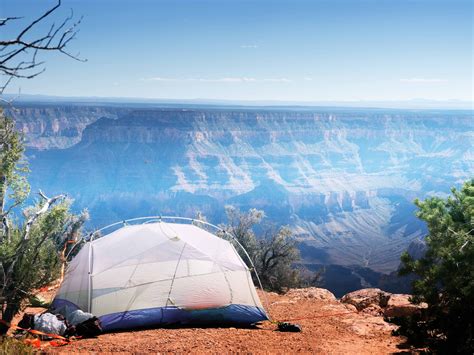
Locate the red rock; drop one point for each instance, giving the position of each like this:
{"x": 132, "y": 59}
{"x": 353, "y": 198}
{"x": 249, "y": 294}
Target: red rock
{"x": 374, "y": 310}
{"x": 363, "y": 298}
{"x": 311, "y": 292}
{"x": 399, "y": 305}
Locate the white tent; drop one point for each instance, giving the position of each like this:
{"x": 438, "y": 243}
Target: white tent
{"x": 160, "y": 274}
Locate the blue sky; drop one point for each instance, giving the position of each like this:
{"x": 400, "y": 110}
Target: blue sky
{"x": 261, "y": 50}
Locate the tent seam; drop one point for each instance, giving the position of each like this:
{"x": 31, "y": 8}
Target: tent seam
{"x": 174, "y": 276}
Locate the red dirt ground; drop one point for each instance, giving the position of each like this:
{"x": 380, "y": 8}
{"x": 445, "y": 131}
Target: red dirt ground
{"x": 329, "y": 327}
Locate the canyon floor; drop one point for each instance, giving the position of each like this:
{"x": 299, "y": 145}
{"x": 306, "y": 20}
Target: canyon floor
{"x": 329, "y": 327}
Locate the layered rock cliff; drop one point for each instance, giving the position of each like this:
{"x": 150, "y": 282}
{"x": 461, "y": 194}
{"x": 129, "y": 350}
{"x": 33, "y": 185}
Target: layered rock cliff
{"x": 344, "y": 180}
{"x": 57, "y": 126}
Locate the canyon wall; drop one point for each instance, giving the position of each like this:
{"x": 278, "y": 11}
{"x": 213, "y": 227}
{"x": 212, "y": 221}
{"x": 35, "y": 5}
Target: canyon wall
{"x": 343, "y": 179}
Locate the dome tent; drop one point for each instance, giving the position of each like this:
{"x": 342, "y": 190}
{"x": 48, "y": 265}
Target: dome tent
{"x": 160, "y": 273}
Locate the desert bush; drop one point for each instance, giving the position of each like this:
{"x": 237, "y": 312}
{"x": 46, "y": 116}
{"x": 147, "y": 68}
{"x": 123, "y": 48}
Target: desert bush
{"x": 26, "y": 265}
{"x": 31, "y": 246}
{"x": 274, "y": 252}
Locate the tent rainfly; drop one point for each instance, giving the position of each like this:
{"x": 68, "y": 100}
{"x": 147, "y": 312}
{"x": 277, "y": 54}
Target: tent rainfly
{"x": 159, "y": 274}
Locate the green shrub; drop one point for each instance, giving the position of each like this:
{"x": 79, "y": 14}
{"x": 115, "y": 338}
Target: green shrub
{"x": 445, "y": 275}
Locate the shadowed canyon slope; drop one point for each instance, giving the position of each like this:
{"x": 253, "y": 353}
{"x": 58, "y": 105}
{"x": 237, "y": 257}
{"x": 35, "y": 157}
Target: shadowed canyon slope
{"x": 343, "y": 179}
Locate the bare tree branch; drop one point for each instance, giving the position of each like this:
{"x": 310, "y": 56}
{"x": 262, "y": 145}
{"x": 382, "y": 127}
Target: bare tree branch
{"x": 18, "y": 57}
{"x": 42, "y": 210}
{"x": 4, "y": 21}
{"x": 6, "y": 227}
{"x": 39, "y": 19}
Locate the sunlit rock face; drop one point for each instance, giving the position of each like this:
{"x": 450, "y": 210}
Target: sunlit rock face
{"x": 343, "y": 179}
{"x": 49, "y": 127}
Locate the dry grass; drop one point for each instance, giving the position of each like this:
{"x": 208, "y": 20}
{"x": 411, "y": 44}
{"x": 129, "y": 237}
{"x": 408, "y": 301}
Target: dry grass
{"x": 10, "y": 346}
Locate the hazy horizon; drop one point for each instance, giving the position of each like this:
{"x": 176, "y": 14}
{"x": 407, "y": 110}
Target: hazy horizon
{"x": 416, "y": 104}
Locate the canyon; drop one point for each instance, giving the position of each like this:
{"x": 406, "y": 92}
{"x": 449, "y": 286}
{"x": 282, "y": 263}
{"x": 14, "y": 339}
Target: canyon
{"x": 344, "y": 179}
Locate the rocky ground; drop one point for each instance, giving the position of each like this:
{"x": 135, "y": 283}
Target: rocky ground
{"x": 352, "y": 325}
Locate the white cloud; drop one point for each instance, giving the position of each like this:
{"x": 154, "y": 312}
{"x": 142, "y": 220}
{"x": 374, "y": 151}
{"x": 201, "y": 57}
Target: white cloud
{"x": 307, "y": 78}
{"x": 243, "y": 79}
{"x": 277, "y": 80}
{"x": 422, "y": 80}
{"x": 249, "y": 46}
{"x": 229, "y": 80}
{"x": 158, "y": 78}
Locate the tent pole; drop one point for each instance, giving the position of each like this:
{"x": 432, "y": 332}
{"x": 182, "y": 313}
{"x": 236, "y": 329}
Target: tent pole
{"x": 89, "y": 286}
{"x": 267, "y": 304}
